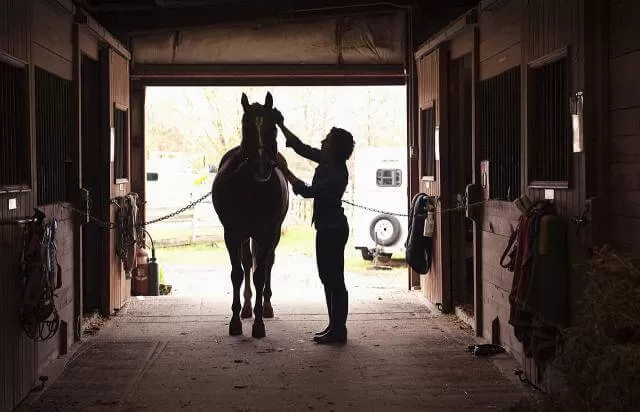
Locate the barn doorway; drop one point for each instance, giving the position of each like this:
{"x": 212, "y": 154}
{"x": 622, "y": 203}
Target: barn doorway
{"x": 188, "y": 129}
{"x": 460, "y": 126}
{"x": 93, "y": 184}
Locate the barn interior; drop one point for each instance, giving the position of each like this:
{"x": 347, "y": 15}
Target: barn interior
{"x": 517, "y": 112}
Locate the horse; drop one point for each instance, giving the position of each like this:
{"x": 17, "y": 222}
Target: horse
{"x": 251, "y": 197}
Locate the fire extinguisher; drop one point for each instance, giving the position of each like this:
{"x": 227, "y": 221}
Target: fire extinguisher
{"x": 151, "y": 270}
{"x": 141, "y": 278}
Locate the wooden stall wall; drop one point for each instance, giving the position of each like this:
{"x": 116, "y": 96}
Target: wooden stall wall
{"x": 516, "y": 33}
{"x": 499, "y": 51}
{"x": 444, "y": 70}
{"x": 624, "y": 111}
{"x": 14, "y": 27}
{"x": 550, "y": 26}
{"x": 40, "y": 47}
{"x": 596, "y": 121}
{"x": 118, "y": 69}
{"x": 430, "y": 80}
{"x": 457, "y": 152}
{"x": 53, "y": 51}
{"x": 34, "y": 35}
{"x": 93, "y": 239}
{"x": 104, "y": 91}
{"x": 18, "y": 353}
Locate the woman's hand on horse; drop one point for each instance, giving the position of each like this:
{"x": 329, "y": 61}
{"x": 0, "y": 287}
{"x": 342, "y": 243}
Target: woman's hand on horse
{"x": 277, "y": 117}
{"x": 281, "y": 163}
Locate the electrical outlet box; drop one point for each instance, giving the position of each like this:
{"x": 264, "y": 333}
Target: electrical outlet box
{"x": 13, "y": 204}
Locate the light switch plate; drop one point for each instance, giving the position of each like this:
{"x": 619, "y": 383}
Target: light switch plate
{"x": 549, "y": 194}
{"x": 13, "y": 204}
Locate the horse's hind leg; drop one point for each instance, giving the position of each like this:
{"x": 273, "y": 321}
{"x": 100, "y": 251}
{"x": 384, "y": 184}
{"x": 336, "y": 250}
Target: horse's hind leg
{"x": 247, "y": 264}
{"x": 233, "y": 247}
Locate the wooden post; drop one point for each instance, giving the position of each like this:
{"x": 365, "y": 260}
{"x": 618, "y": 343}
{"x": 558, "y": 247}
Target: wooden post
{"x": 193, "y": 220}
{"x": 475, "y": 153}
{"x": 74, "y": 193}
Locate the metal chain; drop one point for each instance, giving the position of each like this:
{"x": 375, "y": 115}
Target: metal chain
{"x": 373, "y": 210}
{"x": 177, "y": 212}
{"x": 109, "y": 225}
{"x": 101, "y": 223}
{"x": 453, "y": 209}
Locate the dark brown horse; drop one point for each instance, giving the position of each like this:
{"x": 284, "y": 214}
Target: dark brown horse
{"x": 251, "y": 199}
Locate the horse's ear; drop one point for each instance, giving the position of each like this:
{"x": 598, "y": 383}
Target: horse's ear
{"x": 268, "y": 101}
{"x": 245, "y": 102}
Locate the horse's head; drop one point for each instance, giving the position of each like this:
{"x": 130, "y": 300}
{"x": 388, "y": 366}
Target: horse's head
{"x": 259, "y": 137}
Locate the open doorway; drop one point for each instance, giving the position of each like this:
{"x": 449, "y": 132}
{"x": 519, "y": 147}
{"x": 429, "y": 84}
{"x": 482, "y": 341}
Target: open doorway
{"x": 461, "y": 173}
{"x": 92, "y": 182}
{"x": 187, "y": 131}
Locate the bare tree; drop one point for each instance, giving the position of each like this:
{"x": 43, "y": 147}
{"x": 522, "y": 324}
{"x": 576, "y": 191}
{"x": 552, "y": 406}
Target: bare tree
{"x": 207, "y": 121}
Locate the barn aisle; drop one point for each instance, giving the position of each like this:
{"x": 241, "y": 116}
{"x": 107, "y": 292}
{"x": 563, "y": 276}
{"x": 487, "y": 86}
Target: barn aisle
{"x": 173, "y": 353}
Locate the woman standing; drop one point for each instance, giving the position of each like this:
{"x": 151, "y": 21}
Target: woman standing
{"x": 332, "y": 230}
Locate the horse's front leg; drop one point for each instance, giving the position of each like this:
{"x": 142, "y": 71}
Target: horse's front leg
{"x": 233, "y": 247}
{"x": 267, "y": 308}
{"x": 258, "y": 330}
{"x": 247, "y": 264}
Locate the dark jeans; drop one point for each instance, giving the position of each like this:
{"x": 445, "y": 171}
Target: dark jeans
{"x": 330, "y": 244}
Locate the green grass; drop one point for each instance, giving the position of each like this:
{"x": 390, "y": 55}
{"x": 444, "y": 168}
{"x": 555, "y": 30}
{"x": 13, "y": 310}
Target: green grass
{"x": 299, "y": 239}
{"x": 198, "y": 254}
{"x": 169, "y": 232}
{"x": 161, "y": 279}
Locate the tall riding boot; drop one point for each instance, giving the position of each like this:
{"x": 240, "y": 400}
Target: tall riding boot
{"x": 327, "y": 296}
{"x": 338, "y": 329}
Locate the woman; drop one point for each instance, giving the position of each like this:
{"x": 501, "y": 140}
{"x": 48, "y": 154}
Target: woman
{"x": 332, "y": 230}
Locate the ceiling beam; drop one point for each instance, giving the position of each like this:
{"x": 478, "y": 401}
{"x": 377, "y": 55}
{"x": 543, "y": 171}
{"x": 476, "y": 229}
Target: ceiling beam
{"x": 267, "y": 75}
{"x": 156, "y": 18}
{"x": 148, "y": 71}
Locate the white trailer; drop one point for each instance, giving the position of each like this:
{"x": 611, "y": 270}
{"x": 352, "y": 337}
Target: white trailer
{"x": 380, "y": 182}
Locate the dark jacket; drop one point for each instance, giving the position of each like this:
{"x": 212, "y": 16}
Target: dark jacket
{"x": 327, "y": 187}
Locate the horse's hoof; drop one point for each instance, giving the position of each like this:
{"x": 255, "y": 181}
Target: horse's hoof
{"x": 267, "y": 310}
{"x": 235, "y": 327}
{"x": 246, "y": 312}
{"x": 258, "y": 331}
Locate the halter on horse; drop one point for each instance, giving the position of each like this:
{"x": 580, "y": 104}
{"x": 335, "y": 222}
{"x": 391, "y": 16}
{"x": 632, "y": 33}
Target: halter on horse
{"x": 251, "y": 199}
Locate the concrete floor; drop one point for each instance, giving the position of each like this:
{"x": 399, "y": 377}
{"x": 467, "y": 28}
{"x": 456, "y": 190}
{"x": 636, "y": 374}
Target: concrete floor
{"x": 174, "y": 353}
